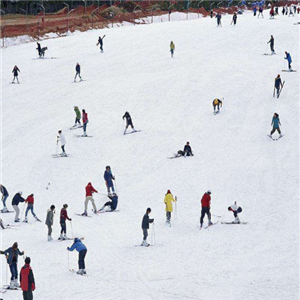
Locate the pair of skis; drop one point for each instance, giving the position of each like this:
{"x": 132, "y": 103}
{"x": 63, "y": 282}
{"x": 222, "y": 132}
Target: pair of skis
{"x": 279, "y": 90}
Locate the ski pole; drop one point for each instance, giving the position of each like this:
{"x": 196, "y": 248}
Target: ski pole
{"x": 68, "y": 260}
{"x": 6, "y": 274}
{"x": 175, "y": 216}
{"x": 71, "y": 228}
{"x": 216, "y": 216}
{"x": 22, "y": 211}
{"x": 266, "y": 48}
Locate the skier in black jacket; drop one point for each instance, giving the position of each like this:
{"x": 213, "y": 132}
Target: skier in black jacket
{"x": 271, "y": 42}
{"x": 77, "y": 72}
{"x": 234, "y": 18}
{"x": 128, "y": 121}
{"x": 278, "y": 84}
{"x": 219, "y": 17}
{"x": 100, "y": 42}
{"x": 39, "y": 49}
{"x": 16, "y": 73}
{"x": 145, "y": 226}
{"x": 15, "y": 204}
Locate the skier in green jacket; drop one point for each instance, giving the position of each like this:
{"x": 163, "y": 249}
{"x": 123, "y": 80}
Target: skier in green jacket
{"x": 78, "y": 115}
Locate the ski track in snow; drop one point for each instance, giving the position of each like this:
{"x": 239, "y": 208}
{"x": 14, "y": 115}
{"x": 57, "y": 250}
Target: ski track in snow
{"x": 170, "y": 100}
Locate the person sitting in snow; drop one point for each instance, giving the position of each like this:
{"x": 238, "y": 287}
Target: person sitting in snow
{"x": 187, "y": 151}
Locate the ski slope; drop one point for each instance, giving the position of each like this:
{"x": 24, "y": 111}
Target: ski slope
{"x": 170, "y": 100}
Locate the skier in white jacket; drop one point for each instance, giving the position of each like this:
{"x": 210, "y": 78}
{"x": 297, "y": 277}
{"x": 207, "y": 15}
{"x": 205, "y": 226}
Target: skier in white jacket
{"x": 61, "y": 138}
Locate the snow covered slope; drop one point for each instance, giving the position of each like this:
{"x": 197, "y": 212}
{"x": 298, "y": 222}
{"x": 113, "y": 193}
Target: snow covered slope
{"x": 170, "y": 100}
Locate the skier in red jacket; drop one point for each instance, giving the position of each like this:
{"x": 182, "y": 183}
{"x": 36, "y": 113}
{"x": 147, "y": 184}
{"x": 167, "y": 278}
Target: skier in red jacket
{"x": 85, "y": 120}
{"x": 205, "y": 203}
{"x": 30, "y": 201}
{"x": 89, "y": 190}
{"x": 27, "y": 280}
{"x": 63, "y": 217}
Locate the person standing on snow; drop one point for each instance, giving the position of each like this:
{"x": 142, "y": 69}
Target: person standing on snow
{"x": 205, "y": 203}
{"x": 112, "y": 204}
{"x": 260, "y": 12}
{"x": 39, "y": 49}
{"x": 172, "y": 48}
{"x": 27, "y": 280}
{"x": 85, "y": 120}
{"x": 219, "y": 17}
{"x": 271, "y": 42}
{"x": 12, "y": 254}
{"x": 236, "y": 210}
{"x": 5, "y": 195}
{"x": 82, "y": 250}
{"x": 275, "y": 123}
{"x": 108, "y": 177}
{"x": 49, "y": 221}
{"x": 216, "y": 104}
{"x": 15, "y": 204}
{"x": 254, "y": 11}
{"x": 234, "y": 19}
{"x": 211, "y": 14}
{"x": 61, "y": 138}
{"x": 145, "y": 226}
{"x": 30, "y": 201}
{"x": 63, "y": 218}
{"x": 169, "y": 207}
{"x": 278, "y": 84}
{"x": 16, "y": 74}
{"x": 272, "y": 14}
{"x": 89, "y": 190}
{"x": 289, "y": 59}
{"x": 100, "y": 42}
{"x": 78, "y": 116}
{"x": 77, "y": 69}
{"x": 128, "y": 121}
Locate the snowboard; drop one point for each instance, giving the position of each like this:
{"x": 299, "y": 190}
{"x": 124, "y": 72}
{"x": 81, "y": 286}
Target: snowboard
{"x": 132, "y": 132}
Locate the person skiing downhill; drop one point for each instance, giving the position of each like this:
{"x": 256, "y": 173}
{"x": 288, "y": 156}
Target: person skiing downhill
{"x": 77, "y": 69}
{"x": 15, "y": 204}
{"x": 27, "y": 280}
{"x": 275, "y": 123}
{"x": 39, "y": 49}
{"x": 61, "y": 138}
{"x": 271, "y": 42}
{"x": 278, "y": 84}
{"x": 234, "y": 19}
{"x": 49, "y": 221}
{"x": 169, "y": 207}
{"x": 216, "y": 104}
{"x": 172, "y": 48}
{"x": 82, "y": 250}
{"x": 211, "y": 14}
{"x": 272, "y": 13}
{"x": 63, "y": 218}
{"x": 111, "y": 204}
{"x": 12, "y": 254}
{"x": 236, "y": 210}
{"x": 5, "y": 195}
{"x": 16, "y": 71}
{"x": 85, "y": 120}
{"x": 289, "y": 59}
{"x": 108, "y": 177}
{"x": 78, "y": 116}
{"x": 219, "y": 17}
{"x": 89, "y": 190}
{"x": 100, "y": 42}
{"x": 205, "y": 203}
{"x": 128, "y": 122}
{"x": 145, "y": 226}
{"x": 260, "y": 12}
{"x": 30, "y": 201}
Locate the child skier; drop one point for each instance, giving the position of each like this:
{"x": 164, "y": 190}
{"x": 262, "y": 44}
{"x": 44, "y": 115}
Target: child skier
{"x": 30, "y": 201}
{"x": 100, "y": 42}
{"x": 5, "y": 195}
{"x": 172, "y": 48}
{"x": 78, "y": 116}
{"x": 216, "y": 104}
{"x": 128, "y": 121}
{"x": 82, "y": 250}
{"x": 289, "y": 59}
{"x": 12, "y": 254}
{"x": 169, "y": 207}
{"x": 15, "y": 204}
{"x": 89, "y": 190}
{"x": 112, "y": 204}
{"x": 275, "y": 123}
{"x": 77, "y": 69}
{"x": 63, "y": 218}
{"x": 16, "y": 74}
{"x": 61, "y": 138}
{"x": 236, "y": 210}
{"x": 205, "y": 203}
{"x": 145, "y": 226}
{"x": 27, "y": 280}
{"x": 108, "y": 177}
{"x": 271, "y": 42}
{"x": 85, "y": 120}
{"x": 277, "y": 85}
{"x": 219, "y": 17}
{"x": 49, "y": 221}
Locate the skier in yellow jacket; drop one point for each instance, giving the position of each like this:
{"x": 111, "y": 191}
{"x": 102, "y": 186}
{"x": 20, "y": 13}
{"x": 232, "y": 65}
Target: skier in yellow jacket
{"x": 169, "y": 206}
{"x": 172, "y": 48}
{"x": 216, "y": 104}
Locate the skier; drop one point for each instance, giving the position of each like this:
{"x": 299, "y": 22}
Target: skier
{"x": 128, "y": 122}
{"x": 283, "y": 10}
{"x": 216, "y": 104}
{"x": 145, "y": 226}
{"x": 271, "y": 42}
{"x": 100, "y": 42}
{"x": 289, "y": 59}
{"x": 276, "y": 10}
{"x": 89, "y": 190}
{"x": 12, "y": 254}
{"x": 27, "y": 280}
{"x": 77, "y": 68}
{"x": 1, "y": 224}
{"x": 236, "y": 210}
{"x": 205, "y": 203}
{"x": 272, "y": 14}
{"x": 278, "y": 85}
{"x": 49, "y": 221}
{"x": 112, "y": 204}
{"x": 15, "y": 204}
{"x": 291, "y": 11}
{"x": 169, "y": 207}
{"x": 234, "y": 19}
{"x": 82, "y": 250}
{"x": 16, "y": 74}
{"x": 172, "y": 48}
{"x": 39, "y": 49}
{"x": 254, "y": 11}
{"x": 61, "y": 138}
{"x": 85, "y": 120}
{"x": 63, "y": 217}
{"x": 108, "y": 177}
{"x": 78, "y": 116}
{"x": 275, "y": 123}
{"x": 30, "y": 201}
{"x": 219, "y": 17}
{"x": 260, "y": 12}
{"x": 5, "y": 194}
{"x": 187, "y": 151}
{"x": 298, "y": 10}
{"x": 211, "y": 14}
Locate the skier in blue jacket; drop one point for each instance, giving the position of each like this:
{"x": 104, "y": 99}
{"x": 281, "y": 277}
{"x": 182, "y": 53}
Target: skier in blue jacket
{"x": 275, "y": 123}
{"x": 113, "y": 203}
{"x": 108, "y": 177}
{"x": 82, "y": 250}
{"x": 289, "y": 59}
{"x": 77, "y": 69}
{"x": 15, "y": 204}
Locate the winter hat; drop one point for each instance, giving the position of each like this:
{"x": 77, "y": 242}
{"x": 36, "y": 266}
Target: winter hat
{"x": 149, "y": 209}
{"x": 209, "y": 191}
{"x": 15, "y": 245}
{"x": 65, "y": 205}
{"x": 27, "y": 260}
{"x": 168, "y": 192}
{"x": 52, "y": 207}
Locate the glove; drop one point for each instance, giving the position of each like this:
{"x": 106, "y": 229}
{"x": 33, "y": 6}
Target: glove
{"x": 70, "y": 219}
{"x": 68, "y": 248}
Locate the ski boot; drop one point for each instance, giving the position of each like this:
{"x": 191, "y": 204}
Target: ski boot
{"x": 210, "y": 223}
{"x": 49, "y": 238}
{"x": 84, "y": 134}
{"x": 85, "y": 213}
{"x": 236, "y": 221}
{"x": 16, "y": 284}
{"x": 80, "y": 272}
{"x": 65, "y": 237}
{"x": 4, "y": 210}
{"x": 25, "y": 220}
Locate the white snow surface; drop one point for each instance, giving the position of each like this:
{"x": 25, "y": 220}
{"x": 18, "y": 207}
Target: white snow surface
{"x": 170, "y": 100}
